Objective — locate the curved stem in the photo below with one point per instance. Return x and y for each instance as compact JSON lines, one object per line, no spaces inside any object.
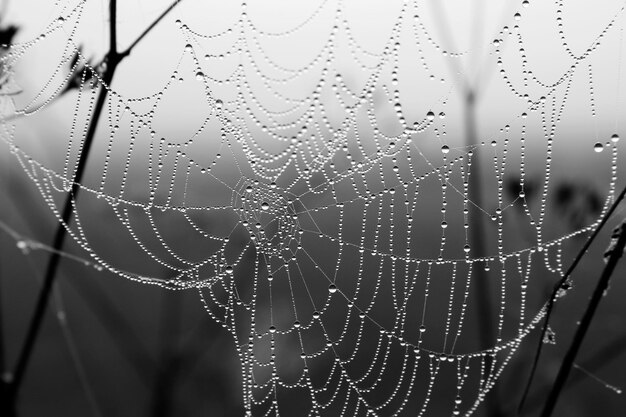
{"x":149,"y":28}
{"x":557,"y":288}
{"x":9,"y":390}
{"x":614,"y":255}
{"x":61,"y":232}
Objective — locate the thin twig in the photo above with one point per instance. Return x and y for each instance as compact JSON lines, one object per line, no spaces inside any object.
{"x":616,"y":252}
{"x":61,"y":232}
{"x":149,"y":28}
{"x":112,"y":27}
{"x":483,"y":293}
{"x":103,"y":307}
{"x":612,"y":351}
{"x":470,"y":97}
{"x":446,"y":34}
{"x":113,"y":59}
{"x":122,"y":55}
{"x":169,"y":356}
{"x":559,"y":285}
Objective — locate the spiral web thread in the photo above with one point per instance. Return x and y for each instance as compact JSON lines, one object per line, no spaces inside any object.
{"x":328,"y":218}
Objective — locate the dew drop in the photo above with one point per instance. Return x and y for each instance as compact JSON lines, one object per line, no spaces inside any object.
{"x":517,"y":16}
{"x":444,"y":225}
{"x":614,"y":137}
{"x":598,"y":147}
{"x":430,"y":115}
{"x":445,"y":149}
{"x":332,"y":289}
{"x":199,"y":76}
{"x":23,"y":246}
{"x":265,"y":206}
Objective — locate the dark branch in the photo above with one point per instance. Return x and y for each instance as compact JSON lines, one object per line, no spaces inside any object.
{"x":559,"y":285}
{"x":614,"y":255}
{"x":113,"y":27}
{"x":612,"y":351}
{"x":128,"y":50}
{"x":10,"y":390}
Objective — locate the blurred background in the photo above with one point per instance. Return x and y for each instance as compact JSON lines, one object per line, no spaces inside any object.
{"x":113,"y":346}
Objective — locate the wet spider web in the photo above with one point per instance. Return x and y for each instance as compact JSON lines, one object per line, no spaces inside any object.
{"x":315,"y":191}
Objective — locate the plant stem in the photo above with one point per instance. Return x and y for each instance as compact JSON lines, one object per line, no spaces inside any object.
{"x":470,"y":96}
{"x":557,"y":288}
{"x":10,"y":390}
{"x":616,"y":253}
{"x":169,"y":356}
{"x":149,"y":28}
{"x":613,"y":350}
{"x":66,"y":217}
{"x":478,"y":247}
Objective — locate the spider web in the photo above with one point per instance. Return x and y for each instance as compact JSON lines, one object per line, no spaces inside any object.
{"x":319,"y":201}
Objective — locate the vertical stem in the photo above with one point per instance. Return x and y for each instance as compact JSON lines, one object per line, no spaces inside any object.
{"x":169,"y":359}
{"x":615,"y":254}
{"x":59,"y":237}
{"x":14,"y":385}
{"x":550,"y":305}
{"x":486,"y":329}
{"x":112,"y":27}
{"x":9,"y":389}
